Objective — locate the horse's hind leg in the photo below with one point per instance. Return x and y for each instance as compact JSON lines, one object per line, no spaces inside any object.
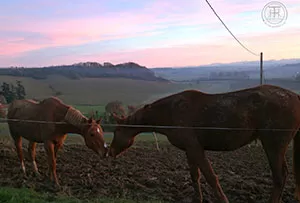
{"x":196,"y":156}
{"x":32,"y":155}
{"x":59,"y":144}
{"x":195,"y":176}
{"x":18,"y":144}
{"x":275,"y":145}
{"x":49,"y":147}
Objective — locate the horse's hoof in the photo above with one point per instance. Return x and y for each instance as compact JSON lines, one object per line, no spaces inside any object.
{"x":25,"y":176}
{"x":57,"y":186}
{"x":197,"y":200}
{"x":37,"y":174}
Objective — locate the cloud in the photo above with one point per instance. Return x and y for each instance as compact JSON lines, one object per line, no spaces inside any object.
{"x":53,"y":31}
{"x":153,"y":17}
{"x":284,"y":44}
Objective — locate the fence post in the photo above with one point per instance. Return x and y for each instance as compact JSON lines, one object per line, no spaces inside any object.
{"x":261,"y":68}
{"x":156,"y":141}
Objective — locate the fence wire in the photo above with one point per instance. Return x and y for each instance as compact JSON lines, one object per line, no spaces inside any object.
{"x":2,"y":120}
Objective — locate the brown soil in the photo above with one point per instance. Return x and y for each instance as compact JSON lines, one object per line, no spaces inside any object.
{"x":143,"y":173}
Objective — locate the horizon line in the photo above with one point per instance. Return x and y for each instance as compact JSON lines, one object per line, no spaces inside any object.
{"x":187,"y":66}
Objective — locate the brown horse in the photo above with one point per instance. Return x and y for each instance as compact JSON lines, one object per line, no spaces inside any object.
{"x":252,"y":112}
{"x":65,"y":119}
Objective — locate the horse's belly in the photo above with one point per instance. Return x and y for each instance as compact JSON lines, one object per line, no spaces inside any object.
{"x":29,"y":132}
{"x":34,"y":137}
{"x":222,"y":141}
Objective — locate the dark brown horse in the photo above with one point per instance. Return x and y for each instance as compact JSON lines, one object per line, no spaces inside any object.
{"x":252,"y":112}
{"x":68,"y":120}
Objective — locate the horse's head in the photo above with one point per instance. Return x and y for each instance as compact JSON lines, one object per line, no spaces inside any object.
{"x":93,"y":137}
{"x":123,"y":137}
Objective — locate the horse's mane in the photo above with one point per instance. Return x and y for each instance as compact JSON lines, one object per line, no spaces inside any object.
{"x":74,"y":116}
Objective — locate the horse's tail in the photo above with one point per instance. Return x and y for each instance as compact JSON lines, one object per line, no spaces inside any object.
{"x":296,"y":163}
{"x":3,"y":110}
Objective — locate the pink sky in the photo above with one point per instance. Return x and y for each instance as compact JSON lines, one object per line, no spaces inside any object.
{"x":153,"y":34}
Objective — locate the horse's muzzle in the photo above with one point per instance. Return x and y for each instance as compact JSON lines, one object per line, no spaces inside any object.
{"x":111,"y":152}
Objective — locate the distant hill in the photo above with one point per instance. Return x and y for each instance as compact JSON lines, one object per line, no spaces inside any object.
{"x":273,"y":69}
{"x":86,"y":70}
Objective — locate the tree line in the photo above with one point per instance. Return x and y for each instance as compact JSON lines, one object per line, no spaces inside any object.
{"x":12,"y":91}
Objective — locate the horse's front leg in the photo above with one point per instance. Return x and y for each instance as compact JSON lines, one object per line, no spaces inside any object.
{"x":49,"y":147}
{"x":197,"y":156}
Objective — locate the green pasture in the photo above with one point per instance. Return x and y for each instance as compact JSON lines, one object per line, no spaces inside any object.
{"x":86,"y":109}
{"x":25,"y":195}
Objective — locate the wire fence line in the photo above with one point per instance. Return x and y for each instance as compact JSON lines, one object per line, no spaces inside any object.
{"x":251,"y":52}
{"x":2,"y":120}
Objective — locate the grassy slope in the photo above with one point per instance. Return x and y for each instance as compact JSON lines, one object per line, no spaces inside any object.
{"x":100,"y":91}
{"x":95,"y":91}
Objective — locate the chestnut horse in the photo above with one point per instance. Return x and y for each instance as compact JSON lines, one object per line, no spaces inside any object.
{"x":252,"y":112}
{"x":62,"y":119}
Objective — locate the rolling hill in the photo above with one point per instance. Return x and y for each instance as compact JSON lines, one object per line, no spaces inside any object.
{"x":86,"y":70}
{"x":284,"y":69}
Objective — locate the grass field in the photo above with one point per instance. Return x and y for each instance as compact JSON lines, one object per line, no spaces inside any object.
{"x":100,"y":91}
{"x":95,"y":91}
{"x":24,"y":195}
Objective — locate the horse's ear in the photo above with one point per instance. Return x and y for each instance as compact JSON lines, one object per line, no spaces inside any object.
{"x":99,"y":120}
{"x":90,"y":120}
{"x":117,"y":118}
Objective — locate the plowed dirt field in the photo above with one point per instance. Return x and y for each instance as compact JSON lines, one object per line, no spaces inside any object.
{"x":143,"y":173}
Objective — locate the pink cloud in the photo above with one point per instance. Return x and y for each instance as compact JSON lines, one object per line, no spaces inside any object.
{"x":7,"y":49}
{"x":157,"y":15}
{"x":278,"y":45}
{"x":272,"y":42}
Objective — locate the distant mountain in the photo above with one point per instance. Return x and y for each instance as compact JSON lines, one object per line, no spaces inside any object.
{"x":86,"y":70}
{"x":285,"y":68}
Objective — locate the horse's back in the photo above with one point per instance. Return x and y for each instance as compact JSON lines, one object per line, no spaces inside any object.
{"x":22,"y":109}
{"x":29,"y":113}
{"x":261,"y":107}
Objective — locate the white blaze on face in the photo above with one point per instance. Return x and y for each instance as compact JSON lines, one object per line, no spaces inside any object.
{"x":98,"y":130}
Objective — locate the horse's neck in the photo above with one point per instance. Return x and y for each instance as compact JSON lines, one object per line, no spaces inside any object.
{"x":147,"y":124}
{"x":69,"y":128}
{"x":75,"y":120}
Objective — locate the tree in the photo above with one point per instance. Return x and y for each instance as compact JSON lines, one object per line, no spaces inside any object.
{"x":20,"y":90}
{"x":12,"y":92}
{"x":7,"y":92}
{"x":115,"y":107}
